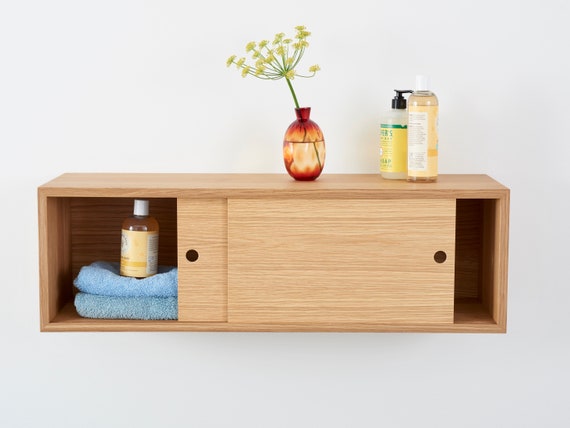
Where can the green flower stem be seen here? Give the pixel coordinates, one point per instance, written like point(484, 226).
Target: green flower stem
point(292, 92)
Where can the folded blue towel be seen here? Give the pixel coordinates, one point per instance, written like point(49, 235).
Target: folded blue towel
point(133, 308)
point(103, 278)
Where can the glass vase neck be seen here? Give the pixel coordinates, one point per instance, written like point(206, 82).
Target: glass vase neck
point(303, 113)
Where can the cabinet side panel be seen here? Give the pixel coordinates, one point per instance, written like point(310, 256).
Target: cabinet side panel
point(54, 257)
point(495, 272)
point(202, 284)
point(341, 261)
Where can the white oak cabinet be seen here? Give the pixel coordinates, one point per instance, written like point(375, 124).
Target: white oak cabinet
point(261, 252)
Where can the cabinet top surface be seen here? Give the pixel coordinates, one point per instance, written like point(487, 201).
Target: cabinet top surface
point(223, 185)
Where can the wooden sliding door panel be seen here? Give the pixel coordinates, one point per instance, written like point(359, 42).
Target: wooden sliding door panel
point(341, 261)
point(202, 260)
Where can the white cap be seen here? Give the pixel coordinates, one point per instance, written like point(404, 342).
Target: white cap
point(141, 207)
point(422, 83)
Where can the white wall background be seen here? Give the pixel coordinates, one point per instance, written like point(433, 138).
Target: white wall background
point(142, 86)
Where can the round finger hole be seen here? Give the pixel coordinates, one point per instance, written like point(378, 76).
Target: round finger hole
point(440, 256)
point(192, 255)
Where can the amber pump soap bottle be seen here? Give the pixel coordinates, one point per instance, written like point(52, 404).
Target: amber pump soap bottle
point(139, 242)
point(423, 145)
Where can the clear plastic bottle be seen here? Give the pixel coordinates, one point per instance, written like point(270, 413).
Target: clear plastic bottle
point(139, 242)
point(423, 145)
point(394, 139)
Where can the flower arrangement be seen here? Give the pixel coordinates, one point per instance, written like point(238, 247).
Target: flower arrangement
point(276, 60)
point(303, 144)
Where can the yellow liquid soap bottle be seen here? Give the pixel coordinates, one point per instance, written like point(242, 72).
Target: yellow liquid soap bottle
point(394, 139)
point(139, 242)
point(423, 144)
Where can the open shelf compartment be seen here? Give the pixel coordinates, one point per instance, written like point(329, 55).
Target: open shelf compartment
point(77, 231)
point(481, 263)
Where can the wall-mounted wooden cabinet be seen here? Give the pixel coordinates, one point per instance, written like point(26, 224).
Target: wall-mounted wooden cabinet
point(344, 253)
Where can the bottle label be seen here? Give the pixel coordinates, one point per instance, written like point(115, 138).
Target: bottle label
point(139, 253)
point(393, 148)
point(422, 141)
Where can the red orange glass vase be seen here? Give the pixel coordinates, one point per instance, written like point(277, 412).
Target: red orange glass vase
point(304, 147)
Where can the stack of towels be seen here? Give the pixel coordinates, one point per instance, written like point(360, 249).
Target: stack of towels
point(104, 293)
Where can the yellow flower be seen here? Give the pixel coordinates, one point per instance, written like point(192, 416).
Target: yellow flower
point(278, 38)
point(277, 62)
point(302, 32)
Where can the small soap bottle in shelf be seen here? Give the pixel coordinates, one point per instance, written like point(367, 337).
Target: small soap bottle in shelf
point(423, 144)
point(139, 242)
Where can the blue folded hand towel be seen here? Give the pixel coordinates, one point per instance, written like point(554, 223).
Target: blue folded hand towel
point(103, 278)
point(133, 308)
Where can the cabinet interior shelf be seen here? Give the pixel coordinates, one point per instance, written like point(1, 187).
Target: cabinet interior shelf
point(346, 253)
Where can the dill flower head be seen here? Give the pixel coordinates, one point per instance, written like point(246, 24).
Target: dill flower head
point(277, 59)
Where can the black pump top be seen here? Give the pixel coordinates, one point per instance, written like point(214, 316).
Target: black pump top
point(399, 102)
